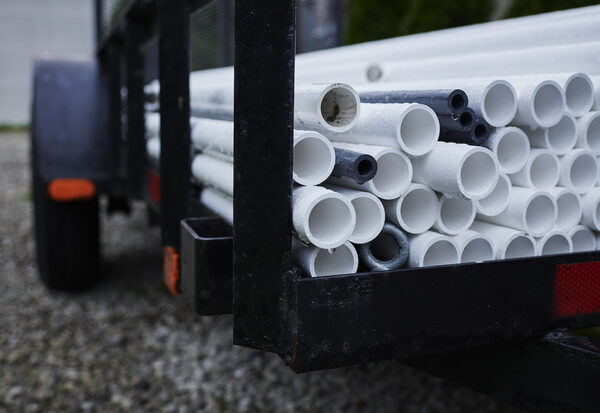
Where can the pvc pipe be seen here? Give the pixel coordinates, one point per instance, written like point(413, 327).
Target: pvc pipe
point(431, 248)
point(588, 132)
point(314, 158)
point(579, 93)
point(153, 148)
point(218, 203)
point(591, 209)
point(211, 134)
point(578, 170)
point(152, 122)
point(596, 82)
point(318, 262)
point(217, 111)
point(331, 108)
point(456, 215)
point(541, 171)
point(540, 104)
point(497, 201)
point(389, 251)
point(511, 147)
point(508, 243)
point(456, 169)
point(529, 210)
point(415, 211)
point(358, 166)
point(412, 127)
point(474, 247)
point(322, 217)
point(213, 172)
point(560, 138)
point(582, 238)
point(554, 242)
point(493, 100)
point(570, 210)
point(370, 215)
point(394, 171)
point(443, 102)
point(465, 128)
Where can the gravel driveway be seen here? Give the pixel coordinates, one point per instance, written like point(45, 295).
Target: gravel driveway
point(127, 345)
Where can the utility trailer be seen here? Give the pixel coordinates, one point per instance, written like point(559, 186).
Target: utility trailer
point(501, 327)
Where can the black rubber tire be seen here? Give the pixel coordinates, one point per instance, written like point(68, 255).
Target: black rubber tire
point(67, 240)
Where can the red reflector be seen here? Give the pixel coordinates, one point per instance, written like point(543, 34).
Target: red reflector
point(171, 269)
point(577, 289)
point(154, 187)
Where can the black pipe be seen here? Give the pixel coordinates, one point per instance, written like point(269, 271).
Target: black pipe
point(385, 259)
point(464, 128)
point(358, 166)
point(443, 102)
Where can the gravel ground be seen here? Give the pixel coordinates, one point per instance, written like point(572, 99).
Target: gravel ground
point(127, 345)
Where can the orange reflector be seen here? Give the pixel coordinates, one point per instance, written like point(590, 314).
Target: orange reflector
point(70, 189)
point(577, 289)
point(171, 269)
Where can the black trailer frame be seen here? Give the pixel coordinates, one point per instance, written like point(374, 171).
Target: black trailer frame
point(314, 323)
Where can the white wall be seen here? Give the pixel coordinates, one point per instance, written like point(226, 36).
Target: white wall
point(28, 27)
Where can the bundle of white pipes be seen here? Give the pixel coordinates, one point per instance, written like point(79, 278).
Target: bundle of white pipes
point(530, 189)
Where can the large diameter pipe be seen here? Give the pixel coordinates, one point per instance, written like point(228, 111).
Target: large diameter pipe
point(412, 127)
point(560, 138)
point(591, 209)
point(322, 217)
point(443, 102)
point(578, 170)
point(358, 166)
point(457, 170)
point(213, 135)
point(431, 248)
point(152, 122)
point(569, 207)
point(542, 170)
point(456, 215)
point(529, 210)
point(394, 171)
point(218, 202)
point(588, 132)
point(582, 238)
point(497, 201)
point(511, 147)
point(474, 247)
point(370, 215)
point(318, 262)
point(579, 92)
point(389, 251)
point(415, 211)
point(213, 172)
point(540, 104)
point(508, 243)
point(554, 242)
point(153, 148)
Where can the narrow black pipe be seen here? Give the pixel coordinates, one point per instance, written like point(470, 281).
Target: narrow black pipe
point(464, 128)
point(358, 166)
point(389, 251)
point(443, 102)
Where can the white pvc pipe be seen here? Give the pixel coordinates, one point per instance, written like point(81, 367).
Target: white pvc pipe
point(591, 209)
point(579, 93)
point(394, 171)
point(211, 134)
point(588, 132)
point(317, 262)
point(596, 82)
point(412, 127)
point(218, 202)
point(511, 147)
point(415, 211)
point(474, 247)
point(330, 108)
point(370, 215)
point(456, 215)
point(554, 242)
point(508, 243)
point(493, 100)
point(214, 172)
point(431, 248)
point(578, 170)
point(457, 169)
point(497, 200)
point(540, 104)
point(568, 203)
point(314, 158)
point(153, 148)
point(529, 210)
point(541, 171)
point(322, 217)
point(582, 238)
point(560, 138)
point(152, 120)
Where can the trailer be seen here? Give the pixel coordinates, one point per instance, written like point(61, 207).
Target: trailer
point(506, 328)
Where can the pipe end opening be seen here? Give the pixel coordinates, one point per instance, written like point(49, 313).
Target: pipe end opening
point(499, 104)
point(544, 170)
point(579, 94)
point(569, 210)
point(342, 260)
point(313, 160)
point(548, 104)
point(330, 222)
point(458, 101)
point(440, 252)
point(394, 173)
point(418, 210)
point(520, 246)
point(540, 214)
point(340, 108)
point(478, 174)
point(513, 150)
point(562, 137)
point(477, 249)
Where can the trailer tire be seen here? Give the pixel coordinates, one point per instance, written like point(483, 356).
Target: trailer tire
point(67, 240)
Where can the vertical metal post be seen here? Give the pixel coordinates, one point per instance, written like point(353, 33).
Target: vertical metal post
point(173, 68)
point(98, 22)
point(113, 72)
point(264, 92)
point(224, 32)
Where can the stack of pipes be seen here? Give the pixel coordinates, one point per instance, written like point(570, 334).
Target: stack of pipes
point(487, 151)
